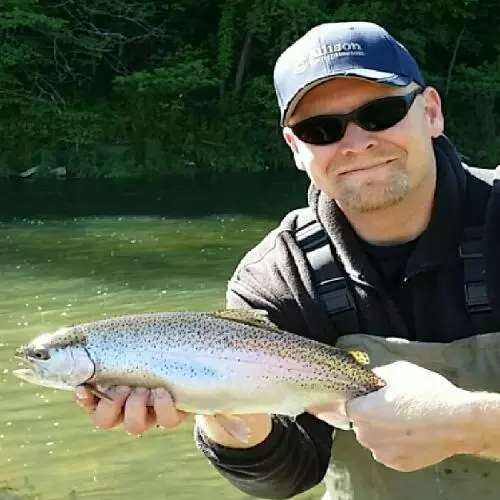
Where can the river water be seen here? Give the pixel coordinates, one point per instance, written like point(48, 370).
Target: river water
point(73, 252)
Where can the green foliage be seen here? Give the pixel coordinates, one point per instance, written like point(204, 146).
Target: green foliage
point(143, 88)
point(225, 35)
point(185, 71)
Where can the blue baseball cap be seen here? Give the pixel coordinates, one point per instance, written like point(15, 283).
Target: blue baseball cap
point(358, 49)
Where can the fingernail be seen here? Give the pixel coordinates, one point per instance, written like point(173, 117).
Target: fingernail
point(80, 393)
point(140, 390)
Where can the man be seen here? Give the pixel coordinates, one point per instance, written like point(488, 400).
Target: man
point(401, 214)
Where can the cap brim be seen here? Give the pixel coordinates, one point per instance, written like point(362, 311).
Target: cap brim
point(362, 73)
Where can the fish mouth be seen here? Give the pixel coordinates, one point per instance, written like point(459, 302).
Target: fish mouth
point(36, 377)
point(27, 374)
point(20, 353)
point(23, 373)
point(34, 373)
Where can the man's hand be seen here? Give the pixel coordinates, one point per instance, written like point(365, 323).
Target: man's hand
point(129, 406)
point(417, 420)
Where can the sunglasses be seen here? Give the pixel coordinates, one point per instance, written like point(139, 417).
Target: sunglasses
point(373, 116)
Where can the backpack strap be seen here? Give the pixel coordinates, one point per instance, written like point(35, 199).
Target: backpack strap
point(480, 251)
point(492, 247)
point(330, 283)
point(471, 251)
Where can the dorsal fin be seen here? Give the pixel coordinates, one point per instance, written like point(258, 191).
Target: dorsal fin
point(252, 317)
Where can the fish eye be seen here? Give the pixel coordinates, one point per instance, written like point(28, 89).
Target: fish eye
point(40, 354)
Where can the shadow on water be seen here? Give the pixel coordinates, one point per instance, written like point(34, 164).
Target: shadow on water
point(261, 194)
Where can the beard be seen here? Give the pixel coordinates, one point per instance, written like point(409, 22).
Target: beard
point(376, 193)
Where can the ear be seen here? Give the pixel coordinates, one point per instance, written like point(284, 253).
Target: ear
point(434, 111)
point(291, 140)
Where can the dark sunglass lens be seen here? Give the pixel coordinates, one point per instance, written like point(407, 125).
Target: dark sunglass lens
point(383, 114)
point(319, 130)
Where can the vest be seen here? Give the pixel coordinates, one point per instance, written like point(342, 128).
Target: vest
point(471, 363)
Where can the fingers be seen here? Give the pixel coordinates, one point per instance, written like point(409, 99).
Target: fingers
point(137, 418)
point(130, 406)
point(167, 416)
point(108, 414)
point(85, 399)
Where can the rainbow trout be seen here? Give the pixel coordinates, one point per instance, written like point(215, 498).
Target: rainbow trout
point(226, 362)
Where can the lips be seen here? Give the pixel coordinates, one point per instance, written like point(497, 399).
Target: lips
point(360, 168)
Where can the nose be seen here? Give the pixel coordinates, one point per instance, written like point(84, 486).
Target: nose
point(356, 140)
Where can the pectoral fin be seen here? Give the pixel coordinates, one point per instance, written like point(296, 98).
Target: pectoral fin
point(236, 427)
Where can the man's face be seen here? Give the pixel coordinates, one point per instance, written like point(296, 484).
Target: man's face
point(365, 170)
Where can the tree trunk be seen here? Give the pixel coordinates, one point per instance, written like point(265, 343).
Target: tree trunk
point(453, 59)
point(245, 52)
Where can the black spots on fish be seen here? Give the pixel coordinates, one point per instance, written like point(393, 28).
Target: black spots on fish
point(206, 373)
point(61, 339)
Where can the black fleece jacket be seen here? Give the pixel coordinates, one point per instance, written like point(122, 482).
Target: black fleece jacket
point(274, 276)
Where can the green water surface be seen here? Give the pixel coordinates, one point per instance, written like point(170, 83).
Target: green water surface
point(59, 269)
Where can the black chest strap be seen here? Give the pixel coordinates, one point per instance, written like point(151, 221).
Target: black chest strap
point(492, 246)
point(330, 283)
point(471, 251)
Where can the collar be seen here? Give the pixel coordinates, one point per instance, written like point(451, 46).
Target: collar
point(438, 244)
